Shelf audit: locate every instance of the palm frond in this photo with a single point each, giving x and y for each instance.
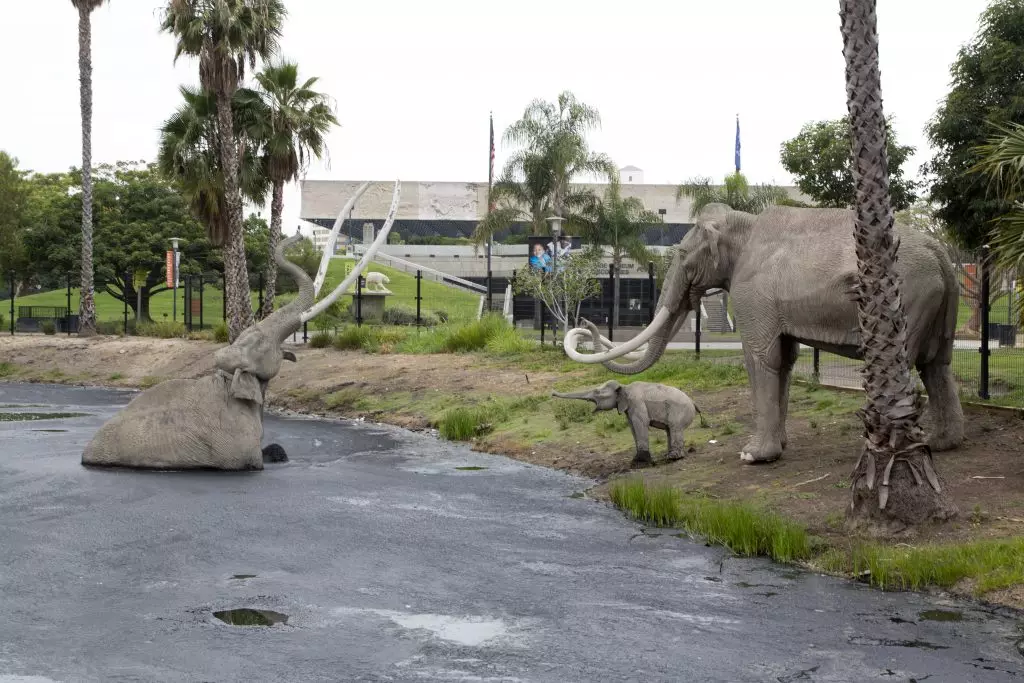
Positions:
(1002, 160)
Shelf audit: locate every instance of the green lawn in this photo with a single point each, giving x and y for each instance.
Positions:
(459, 304)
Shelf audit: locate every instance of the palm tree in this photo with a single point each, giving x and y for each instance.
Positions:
(291, 123)
(536, 181)
(619, 224)
(87, 306)
(189, 155)
(226, 35)
(894, 482)
(1002, 160)
(735, 192)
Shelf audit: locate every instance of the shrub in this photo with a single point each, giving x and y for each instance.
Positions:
(220, 333)
(320, 340)
(462, 424)
(164, 329)
(352, 337)
(571, 412)
(48, 327)
(507, 341)
(399, 315)
(475, 335)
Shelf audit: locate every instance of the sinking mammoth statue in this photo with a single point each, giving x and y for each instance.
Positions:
(216, 421)
(791, 273)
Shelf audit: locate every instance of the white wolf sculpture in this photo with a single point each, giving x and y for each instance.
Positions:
(375, 282)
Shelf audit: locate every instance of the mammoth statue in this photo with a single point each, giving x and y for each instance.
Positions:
(790, 272)
(216, 421)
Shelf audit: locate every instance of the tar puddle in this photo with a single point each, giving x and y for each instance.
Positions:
(941, 615)
(26, 417)
(470, 468)
(243, 576)
(251, 617)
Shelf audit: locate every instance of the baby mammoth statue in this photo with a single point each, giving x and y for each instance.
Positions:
(645, 405)
(216, 421)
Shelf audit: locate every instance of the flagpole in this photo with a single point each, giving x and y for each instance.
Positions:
(490, 237)
(737, 144)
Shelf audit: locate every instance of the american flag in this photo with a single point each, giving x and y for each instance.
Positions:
(490, 171)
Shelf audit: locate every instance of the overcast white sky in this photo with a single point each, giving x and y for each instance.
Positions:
(414, 81)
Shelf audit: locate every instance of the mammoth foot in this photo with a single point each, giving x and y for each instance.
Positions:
(672, 456)
(758, 451)
(274, 453)
(642, 459)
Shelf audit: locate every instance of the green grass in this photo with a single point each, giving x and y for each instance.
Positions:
(745, 529)
(463, 423)
(458, 305)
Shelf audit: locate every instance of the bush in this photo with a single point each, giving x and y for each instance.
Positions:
(164, 329)
(220, 333)
(320, 340)
(508, 341)
(462, 424)
(399, 315)
(353, 337)
(475, 335)
(569, 412)
(48, 327)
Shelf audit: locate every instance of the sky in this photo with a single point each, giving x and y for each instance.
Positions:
(414, 81)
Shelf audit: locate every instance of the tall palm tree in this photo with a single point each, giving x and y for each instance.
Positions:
(87, 306)
(894, 481)
(291, 123)
(1002, 160)
(619, 224)
(735, 192)
(227, 35)
(189, 155)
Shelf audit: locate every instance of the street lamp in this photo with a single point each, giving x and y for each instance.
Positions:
(556, 230)
(174, 276)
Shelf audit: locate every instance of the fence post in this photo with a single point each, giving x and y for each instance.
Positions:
(983, 375)
(696, 330)
(359, 301)
(67, 317)
(543, 321)
(124, 296)
(12, 304)
(200, 301)
(654, 297)
(187, 304)
(490, 296)
(817, 367)
(419, 298)
(305, 332)
(611, 303)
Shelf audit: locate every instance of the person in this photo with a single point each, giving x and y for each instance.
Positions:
(540, 258)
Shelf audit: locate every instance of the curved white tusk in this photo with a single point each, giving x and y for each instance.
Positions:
(607, 345)
(332, 239)
(324, 303)
(573, 335)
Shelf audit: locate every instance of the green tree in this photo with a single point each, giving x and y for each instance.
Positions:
(987, 87)
(735, 192)
(618, 223)
(13, 200)
(819, 159)
(894, 481)
(291, 121)
(565, 291)
(535, 182)
(227, 35)
(87, 307)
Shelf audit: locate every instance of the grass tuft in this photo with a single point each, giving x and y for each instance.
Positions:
(163, 329)
(475, 335)
(744, 529)
(572, 412)
(220, 333)
(320, 340)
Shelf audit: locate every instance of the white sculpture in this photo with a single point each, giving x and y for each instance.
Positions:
(375, 282)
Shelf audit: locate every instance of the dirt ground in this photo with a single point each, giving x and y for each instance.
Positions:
(985, 477)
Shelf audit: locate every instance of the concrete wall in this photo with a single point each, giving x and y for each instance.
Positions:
(458, 201)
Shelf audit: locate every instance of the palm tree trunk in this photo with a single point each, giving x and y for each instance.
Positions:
(617, 261)
(276, 209)
(894, 482)
(236, 274)
(87, 307)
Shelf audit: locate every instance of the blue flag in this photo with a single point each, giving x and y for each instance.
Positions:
(737, 143)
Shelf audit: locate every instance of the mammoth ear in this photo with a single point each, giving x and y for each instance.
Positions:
(712, 235)
(288, 355)
(620, 398)
(245, 387)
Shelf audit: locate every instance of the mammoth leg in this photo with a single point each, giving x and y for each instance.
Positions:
(638, 425)
(790, 351)
(765, 383)
(947, 416)
(676, 443)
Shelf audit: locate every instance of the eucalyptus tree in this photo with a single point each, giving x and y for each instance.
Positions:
(227, 36)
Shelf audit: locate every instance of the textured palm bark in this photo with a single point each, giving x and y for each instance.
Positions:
(236, 274)
(276, 209)
(894, 482)
(87, 306)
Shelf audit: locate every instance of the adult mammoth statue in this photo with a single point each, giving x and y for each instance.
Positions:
(790, 272)
(216, 421)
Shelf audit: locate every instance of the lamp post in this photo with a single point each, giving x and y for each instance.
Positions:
(556, 230)
(174, 277)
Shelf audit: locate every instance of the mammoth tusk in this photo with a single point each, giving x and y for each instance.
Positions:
(607, 344)
(332, 239)
(573, 335)
(324, 303)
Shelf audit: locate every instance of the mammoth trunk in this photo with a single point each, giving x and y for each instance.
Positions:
(287, 319)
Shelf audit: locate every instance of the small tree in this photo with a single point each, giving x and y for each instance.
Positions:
(563, 292)
(819, 158)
